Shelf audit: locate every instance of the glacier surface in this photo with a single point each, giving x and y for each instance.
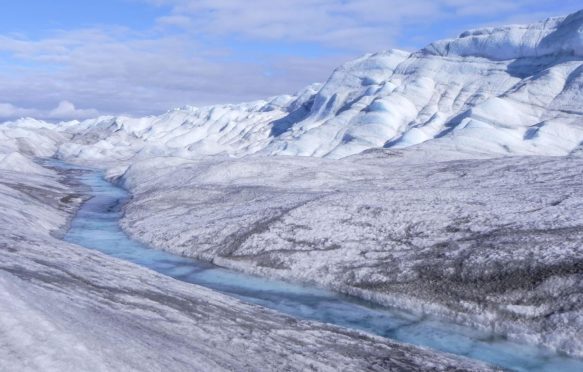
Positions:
(494, 243)
(67, 308)
(446, 181)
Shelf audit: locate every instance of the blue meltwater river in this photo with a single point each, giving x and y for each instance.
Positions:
(96, 226)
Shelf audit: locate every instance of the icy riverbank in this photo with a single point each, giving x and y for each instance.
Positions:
(96, 226)
(490, 243)
(66, 308)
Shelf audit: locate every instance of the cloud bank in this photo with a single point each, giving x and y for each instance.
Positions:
(65, 110)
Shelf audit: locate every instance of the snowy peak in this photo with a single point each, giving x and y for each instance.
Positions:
(514, 90)
(355, 78)
(554, 36)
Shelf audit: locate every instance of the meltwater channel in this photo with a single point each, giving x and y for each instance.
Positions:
(96, 226)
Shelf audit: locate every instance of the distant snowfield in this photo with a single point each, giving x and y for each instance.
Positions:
(443, 181)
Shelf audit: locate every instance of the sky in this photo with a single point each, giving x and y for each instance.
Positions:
(71, 59)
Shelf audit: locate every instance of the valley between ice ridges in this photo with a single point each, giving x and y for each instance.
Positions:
(96, 227)
(67, 308)
(495, 244)
(432, 222)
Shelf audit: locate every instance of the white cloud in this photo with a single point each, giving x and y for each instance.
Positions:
(65, 110)
(143, 75)
(9, 111)
(357, 25)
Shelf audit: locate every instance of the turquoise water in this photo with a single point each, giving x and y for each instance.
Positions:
(96, 226)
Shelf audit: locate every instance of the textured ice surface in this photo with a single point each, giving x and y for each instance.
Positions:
(493, 243)
(67, 308)
(95, 226)
(554, 37)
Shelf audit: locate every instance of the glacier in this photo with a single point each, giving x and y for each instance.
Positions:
(444, 181)
(513, 90)
(67, 308)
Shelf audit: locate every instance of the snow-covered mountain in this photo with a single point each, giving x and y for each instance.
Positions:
(490, 92)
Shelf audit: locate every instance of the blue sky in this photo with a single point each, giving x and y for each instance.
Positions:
(64, 59)
(36, 18)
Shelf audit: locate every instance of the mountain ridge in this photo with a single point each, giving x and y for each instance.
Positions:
(510, 90)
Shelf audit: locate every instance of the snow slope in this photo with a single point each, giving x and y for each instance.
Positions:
(493, 243)
(31, 137)
(188, 132)
(15, 161)
(67, 308)
(514, 90)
